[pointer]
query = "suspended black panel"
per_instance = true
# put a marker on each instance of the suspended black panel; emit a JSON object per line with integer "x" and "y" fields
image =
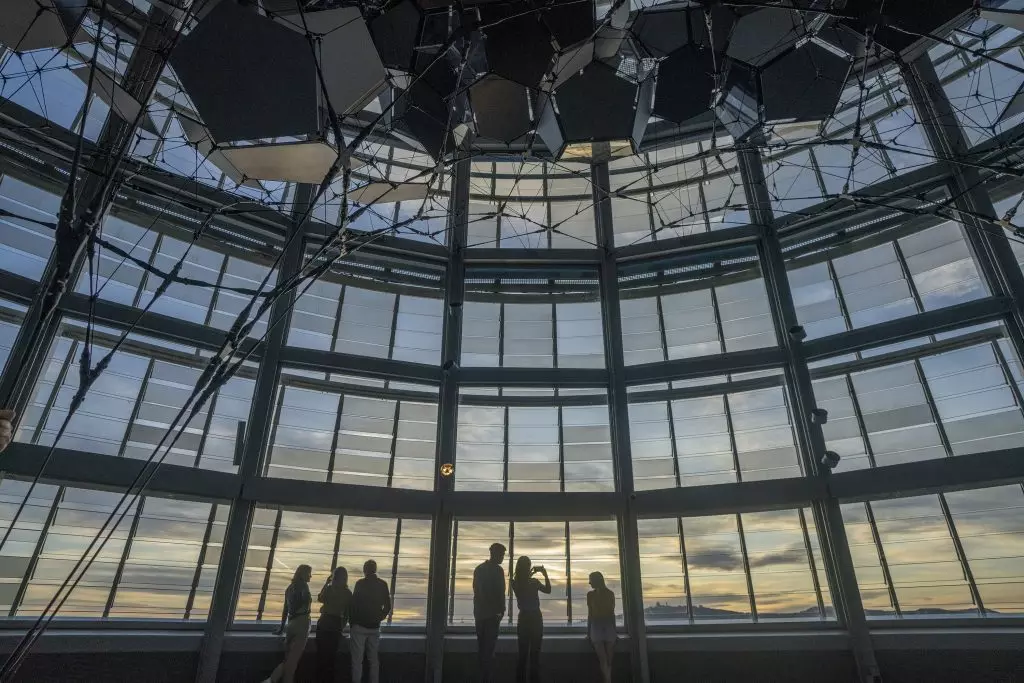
{"x": 764, "y": 34}
{"x": 569, "y": 21}
{"x": 661, "y": 32}
{"x": 596, "y": 105}
{"x": 519, "y": 47}
{"x": 502, "y": 108}
{"x": 249, "y": 76}
{"x": 902, "y": 24}
{"x": 804, "y": 85}
{"x": 352, "y": 70}
{"x": 396, "y": 34}
{"x": 686, "y": 84}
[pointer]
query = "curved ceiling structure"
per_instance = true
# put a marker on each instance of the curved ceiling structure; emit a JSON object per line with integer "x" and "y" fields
{"x": 721, "y": 299}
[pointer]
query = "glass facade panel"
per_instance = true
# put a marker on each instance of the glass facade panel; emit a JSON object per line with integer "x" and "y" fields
{"x": 569, "y": 551}
{"x": 159, "y": 562}
{"x": 281, "y": 540}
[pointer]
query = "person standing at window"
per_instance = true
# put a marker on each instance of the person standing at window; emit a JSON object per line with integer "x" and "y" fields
{"x": 488, "y": 607}
{"x": 297, "y": 601}
{"x": 371, "y": 604}
{"x": 334, "y": 599}
{"x": 601, "y": 623}
{"x": 530, "y": 625}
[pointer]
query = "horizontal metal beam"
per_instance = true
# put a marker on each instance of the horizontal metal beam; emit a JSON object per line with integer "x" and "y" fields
{"x": 535, "y": 505}
{"x": 715, "y": 499}
{"x": 705, "y": 366}
{"x": 533, "y": 377}
{"x": 336, "y": 497}
{"x": 910, "y": 327}
{"x": 480, "y": 257}
{"x": 962, "y": 472}
{"x": 163, "y": 326}
{"x": 109, "y": 473}
{"x": 743, "y": 234}
{"x": 381, "y": 368}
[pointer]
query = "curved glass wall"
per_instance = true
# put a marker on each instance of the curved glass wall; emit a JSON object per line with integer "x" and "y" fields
{"x": 622, "y": 368}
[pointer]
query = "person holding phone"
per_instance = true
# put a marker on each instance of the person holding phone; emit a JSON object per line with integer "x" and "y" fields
{"x": 530, "y": 625}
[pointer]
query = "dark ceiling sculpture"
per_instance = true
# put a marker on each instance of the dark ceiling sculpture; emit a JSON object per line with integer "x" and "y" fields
{"x": 512, "y": 72}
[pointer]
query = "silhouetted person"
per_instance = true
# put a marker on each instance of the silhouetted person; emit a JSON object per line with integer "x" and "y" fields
{"x": 297, "y": 601}
{"x": 335, "y": 599}
{"x": 601, "y": 623}
{"x": 371, "y": 604}
{"x": 530, "y": 625}
{"x": 488, "y": 607}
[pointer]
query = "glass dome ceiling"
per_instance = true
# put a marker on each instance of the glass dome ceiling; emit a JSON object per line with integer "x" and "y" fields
{"x": 622, "y": 345}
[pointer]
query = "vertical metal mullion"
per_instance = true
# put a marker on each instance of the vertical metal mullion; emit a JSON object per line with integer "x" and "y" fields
{"x": 394, "y": 327}
{"x": 746, "y": 567}
{"x": 157, "y": 244}
{"x": 1004, "y": 366}
{"x": 561, "y": 451}
{"x": 259, "y": 437}
{"x": 618, "y": 409}
{"x": 447, "y": 419}
{"x": 215, "y": 299}
{"x": 501, "y": 334}
{"x": 800, "y": 393}
{"x": 554, "y": 332}
{"x": 394, "y": 566}
{"x": 933, "y": 410}
{"x": 337, "y": 318}
{"x": 840, "y": 297}
{"x": 861, "y": 425}
{"x": 451, "y": 583}
{"x": 136, "y": 408}
{"x": 686, "y": 569}
{"x": 947, "y": 516}
{"x": 276, "y": 420}
{"x": 335, "y": 438}
{"x": 673, "y": 448}
{"x": 568, "y": 576}
{"x": 204, "y": 437}
{"x": 394, "y": 443}
{"x": 270, "y": 565}
{"x": 810, "y": 562}
{"x": 33, "y": 561}
{"x": 882, "y": 561}
{"x": 55, "y": 391}
{"x": 337, "y": 543}
{"x": 119, "y": 572}
{"x": 203, "y": 548}
{"x": 732, "y": 438}
{"x": 700, "y": 189}
{"x": 505, "y": 448}
{"x": 909, "y": 277}
{"x": 819, "y": 176}
{"x": 511, "y": 565}
{"x": 961, "y": 555}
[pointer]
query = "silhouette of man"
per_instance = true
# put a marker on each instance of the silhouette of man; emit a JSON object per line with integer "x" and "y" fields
{"x": 488, "y": 607}
{"x": 371, "y": 604}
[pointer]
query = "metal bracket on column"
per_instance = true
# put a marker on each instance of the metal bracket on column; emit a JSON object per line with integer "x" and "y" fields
{"x": 987, "y": 239}
{"x": 447, "y": 423}
{"x": 229, "y": 574}
{"x": 618, "y": 405}
{"x": 827, "y": 514}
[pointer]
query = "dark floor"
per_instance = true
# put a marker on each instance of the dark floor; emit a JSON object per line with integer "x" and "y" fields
{"x": 909, "y": 666}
